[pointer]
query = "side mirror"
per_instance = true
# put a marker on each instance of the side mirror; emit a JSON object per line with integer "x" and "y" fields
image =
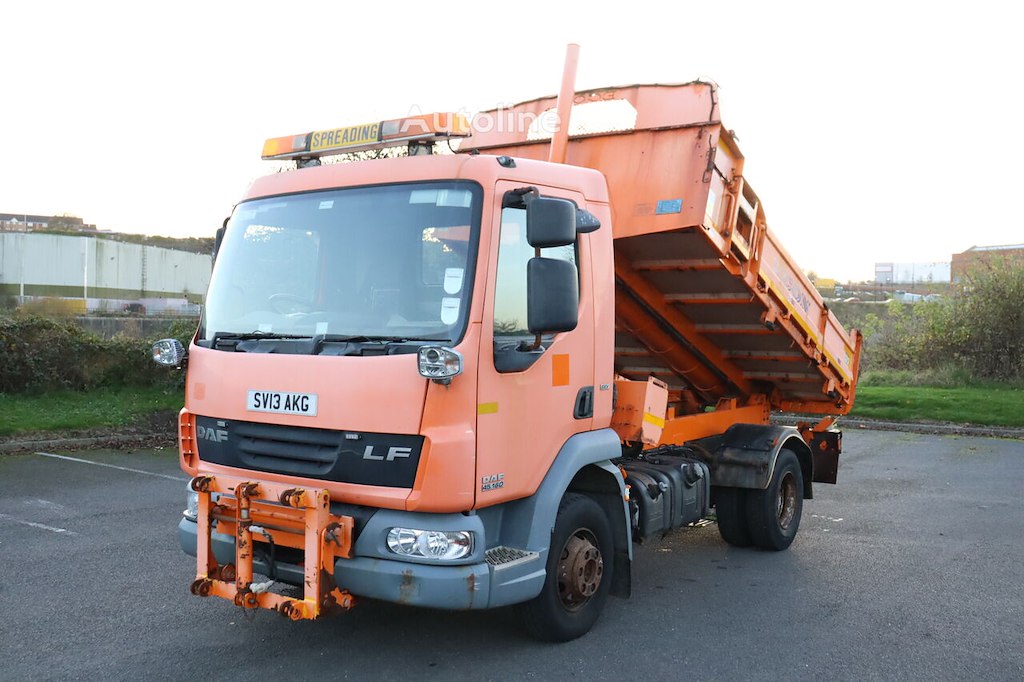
{"x": 552, "y": 295}
{"x": 550, "y": 222}
{"x": 169, "y": 353}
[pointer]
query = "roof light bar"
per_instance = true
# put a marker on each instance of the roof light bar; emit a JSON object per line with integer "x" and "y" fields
{"x": 427, "y": 127}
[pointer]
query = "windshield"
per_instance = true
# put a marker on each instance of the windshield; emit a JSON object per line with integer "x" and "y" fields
{"x": 385, "y": 262}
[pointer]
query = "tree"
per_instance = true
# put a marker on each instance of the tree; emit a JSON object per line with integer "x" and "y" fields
{"x": 988, "y": 329}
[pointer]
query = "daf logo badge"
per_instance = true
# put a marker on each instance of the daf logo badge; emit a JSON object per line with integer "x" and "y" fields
{"x": 212, "y": 434}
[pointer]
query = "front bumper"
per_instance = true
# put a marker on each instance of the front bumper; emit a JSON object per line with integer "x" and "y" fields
{"x": 369, "y": 574}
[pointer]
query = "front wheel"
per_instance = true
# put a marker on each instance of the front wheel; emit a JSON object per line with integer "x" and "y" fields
{"x": 579, "y": 570}
{"x": 773, "y": 514}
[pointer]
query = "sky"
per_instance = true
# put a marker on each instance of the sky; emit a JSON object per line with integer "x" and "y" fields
{"x": 873, "y": 131}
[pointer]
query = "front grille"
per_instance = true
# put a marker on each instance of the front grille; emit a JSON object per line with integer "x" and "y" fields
{"x": 288, "y": 449}
{"x": 381, "y": 459}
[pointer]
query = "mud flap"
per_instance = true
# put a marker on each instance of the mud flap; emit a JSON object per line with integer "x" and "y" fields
{"x": 825, "y": 447}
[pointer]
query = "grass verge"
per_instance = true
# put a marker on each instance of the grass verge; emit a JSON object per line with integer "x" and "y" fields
{"x": 73, "y": 410}
{"x": 980, "y": 405}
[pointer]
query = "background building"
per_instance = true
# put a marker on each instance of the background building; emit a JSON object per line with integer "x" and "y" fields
{"x": 911, "y": 273}
{"x": 985, "y": 255}
{"x": 24, "y": 222}
{"x": 105, "y": 275}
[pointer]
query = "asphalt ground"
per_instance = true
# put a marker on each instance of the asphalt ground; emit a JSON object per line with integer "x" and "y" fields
{"x": 911, "y": 568}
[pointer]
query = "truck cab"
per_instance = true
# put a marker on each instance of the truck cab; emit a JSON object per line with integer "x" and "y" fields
{"x": 367, "y": 333}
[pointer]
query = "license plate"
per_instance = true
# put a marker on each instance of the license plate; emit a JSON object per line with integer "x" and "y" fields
{"x": 282, "y": 402}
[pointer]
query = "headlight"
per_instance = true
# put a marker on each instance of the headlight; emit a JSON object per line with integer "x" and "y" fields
{"x": 439, "y": 363}
{"x": 192, "y": 506}
{"x": 443, "y": 545}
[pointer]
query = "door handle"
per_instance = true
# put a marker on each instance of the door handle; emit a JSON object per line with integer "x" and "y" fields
{"x": 584, "y": 408}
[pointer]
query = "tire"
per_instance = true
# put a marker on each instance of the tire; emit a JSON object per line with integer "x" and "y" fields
{"x": 773, "y": 514}
{"x": 581, "y": 547}
{"x": 731, "y": 510}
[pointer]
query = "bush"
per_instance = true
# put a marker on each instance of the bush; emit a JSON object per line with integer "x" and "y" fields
{"x": 977, "y": 334}
{"x": 39, "y": 354}
{"x": 62, "y": 308}
{"x": 947, "y": 376}
{"x": 987, "y": 329}
{"x": 910, "y": 336}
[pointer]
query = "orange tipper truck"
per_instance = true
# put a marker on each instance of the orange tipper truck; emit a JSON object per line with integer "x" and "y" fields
{"x": 470, "y": 380}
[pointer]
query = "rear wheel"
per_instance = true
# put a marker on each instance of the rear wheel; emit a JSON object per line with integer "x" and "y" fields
{"x": 578, "y": 573}
{"x": 731, "y": 511}
{"x": 773, "y": 514}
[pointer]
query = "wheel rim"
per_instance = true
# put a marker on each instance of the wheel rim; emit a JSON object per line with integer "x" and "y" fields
{"x": 580, "y": 569}
{"x": 785, "y": 502}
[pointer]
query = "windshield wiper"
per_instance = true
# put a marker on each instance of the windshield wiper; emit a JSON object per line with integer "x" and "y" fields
{"x": 235, "y": 340}
{"x": 364, "y": 338}
{"x": 313, "y": 344}
{"x": 249, "y": 336}
{"x": 384, "y": 341}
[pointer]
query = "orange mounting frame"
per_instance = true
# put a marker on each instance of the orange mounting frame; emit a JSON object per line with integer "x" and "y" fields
{"x": 728, "y": 411}
{"x": 288, "y": 516}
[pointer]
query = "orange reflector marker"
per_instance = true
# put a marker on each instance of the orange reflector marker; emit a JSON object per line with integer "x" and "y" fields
{"x": 427, "y": 127}
{"x": 187, "y": 452}
{"x": 285, "y": 147}
{"x": 560, "y": 370}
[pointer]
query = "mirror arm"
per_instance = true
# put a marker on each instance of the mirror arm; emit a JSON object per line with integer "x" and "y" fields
{"x": 219, "y": 237}
{"x": 537, "y": 337}
{"x": 519, "y": 197}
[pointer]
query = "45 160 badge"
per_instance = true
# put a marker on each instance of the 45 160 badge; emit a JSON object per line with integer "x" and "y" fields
{"x": 492, "y": 482}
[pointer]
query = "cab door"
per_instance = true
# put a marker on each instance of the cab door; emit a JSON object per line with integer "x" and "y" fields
{"x": 530, "y": 402}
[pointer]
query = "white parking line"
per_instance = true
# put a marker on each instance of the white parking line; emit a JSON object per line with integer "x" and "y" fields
{"x": 45, "y": 504}
{"x": 52, "y": 529}
{"x": 111, "y": 466}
